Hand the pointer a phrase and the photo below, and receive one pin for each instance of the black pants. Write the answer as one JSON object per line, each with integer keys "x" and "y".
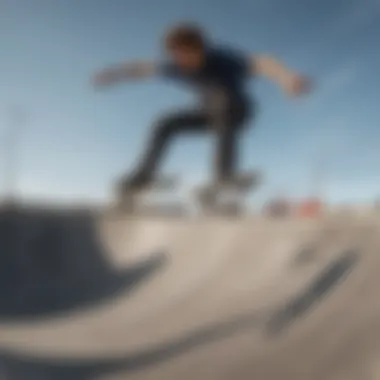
{"x": 224, "y": 123}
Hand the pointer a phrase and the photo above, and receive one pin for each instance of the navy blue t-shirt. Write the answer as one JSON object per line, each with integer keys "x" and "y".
{"x": 223, "y": 69}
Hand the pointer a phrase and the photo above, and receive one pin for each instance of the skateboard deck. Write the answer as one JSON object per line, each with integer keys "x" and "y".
{"x": 128, "y": 200}
{"x": 228, "y": 197}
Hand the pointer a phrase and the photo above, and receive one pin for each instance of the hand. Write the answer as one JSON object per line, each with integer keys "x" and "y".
{"x": 104, "y": 78}
{"x": 297, "y": 85}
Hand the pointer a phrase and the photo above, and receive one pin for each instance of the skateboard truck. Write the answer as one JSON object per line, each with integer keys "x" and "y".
{"x": 228, "y": 196}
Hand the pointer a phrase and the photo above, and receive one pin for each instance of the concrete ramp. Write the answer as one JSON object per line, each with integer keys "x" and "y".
{"x": 190, "y": 298}
{"x": 53, "y": 262}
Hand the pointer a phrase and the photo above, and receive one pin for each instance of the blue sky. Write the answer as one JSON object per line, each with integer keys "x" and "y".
{"x": 75, "y": 141}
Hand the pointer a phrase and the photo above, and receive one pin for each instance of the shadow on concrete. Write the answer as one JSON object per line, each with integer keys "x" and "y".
{"x": 300, "y": 305}
{"x": 18, "y": 366}
{"x": 53, "y": 262}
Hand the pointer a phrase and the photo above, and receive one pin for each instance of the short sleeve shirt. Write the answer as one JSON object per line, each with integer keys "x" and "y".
{"x": 224, "y": 68}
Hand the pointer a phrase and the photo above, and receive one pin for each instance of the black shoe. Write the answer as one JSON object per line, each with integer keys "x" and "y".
{"x": 134, "y": 183}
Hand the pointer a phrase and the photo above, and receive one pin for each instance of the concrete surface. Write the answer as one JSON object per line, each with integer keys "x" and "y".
{"x": 90, "y": 296}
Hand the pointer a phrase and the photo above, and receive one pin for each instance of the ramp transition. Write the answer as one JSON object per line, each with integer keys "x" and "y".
{"x": 84, "y": 296}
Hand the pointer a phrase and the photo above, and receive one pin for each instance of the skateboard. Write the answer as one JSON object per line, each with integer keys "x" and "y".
{"x": 227, "y": 197}
{"x": 129, "y": 200}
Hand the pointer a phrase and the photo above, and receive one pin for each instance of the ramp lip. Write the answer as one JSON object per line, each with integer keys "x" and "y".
{"x": 53, "y": 261}
{"x": 111, "y": 286}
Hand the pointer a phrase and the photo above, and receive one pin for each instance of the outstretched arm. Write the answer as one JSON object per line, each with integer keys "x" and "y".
{"x": 124, "y": 72}
{"x": 290, "y": 81}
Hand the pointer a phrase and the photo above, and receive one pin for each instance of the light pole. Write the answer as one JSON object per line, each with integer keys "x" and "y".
{"x": 16, "y": 119}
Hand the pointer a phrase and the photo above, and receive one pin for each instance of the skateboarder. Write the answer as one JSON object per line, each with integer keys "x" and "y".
{"x": 219, "y": 75}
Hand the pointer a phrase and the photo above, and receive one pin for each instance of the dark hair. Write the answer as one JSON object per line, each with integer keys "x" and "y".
{"x": 185, "y": 35}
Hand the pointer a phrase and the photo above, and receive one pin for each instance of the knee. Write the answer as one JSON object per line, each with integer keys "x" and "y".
{"x": 233, "y": 114}
{"x": 239, "y": 113}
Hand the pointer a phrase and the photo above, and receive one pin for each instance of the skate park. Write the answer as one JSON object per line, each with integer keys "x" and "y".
{"x": 90, "y": 291}
{"x": 89, "y": 295}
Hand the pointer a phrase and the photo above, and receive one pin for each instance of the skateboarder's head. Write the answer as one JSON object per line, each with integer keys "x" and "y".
{"x": 186, "y": 45}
